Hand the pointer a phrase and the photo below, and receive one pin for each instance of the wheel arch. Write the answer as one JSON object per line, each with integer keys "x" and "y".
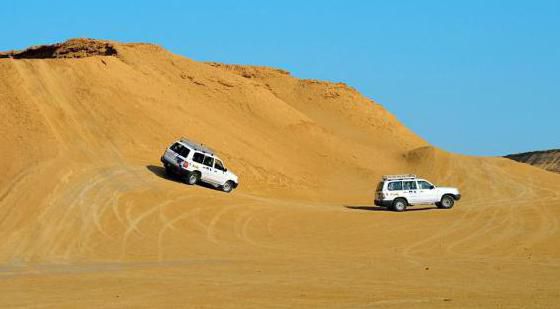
{"x": 197, "y": 172}
{"x": 401, "y": 198}
{"x": 448, "y": 194}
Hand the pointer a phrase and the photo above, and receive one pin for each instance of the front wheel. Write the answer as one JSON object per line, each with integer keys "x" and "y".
{"x": 447, "y": 202}
{"x": 228, "y": 186}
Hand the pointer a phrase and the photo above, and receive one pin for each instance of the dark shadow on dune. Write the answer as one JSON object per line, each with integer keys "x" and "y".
{"x": 377, "y": 208}
{"x": 160, "y": 172}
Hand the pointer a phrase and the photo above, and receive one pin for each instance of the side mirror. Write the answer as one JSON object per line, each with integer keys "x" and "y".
{"x": 432, "y": 187}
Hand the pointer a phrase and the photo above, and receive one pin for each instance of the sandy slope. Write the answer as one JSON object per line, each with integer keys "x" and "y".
{"x": 87, "y": 217}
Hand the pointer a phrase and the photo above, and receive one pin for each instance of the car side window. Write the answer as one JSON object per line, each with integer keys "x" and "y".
{"x": 198, "y": 157}
{"x": 409, "y": 185}
{"x": 424, "y": 185}
{"x": 218, "y": 165}
{"x": 208, "y": 161}
{"x": 395, "y": 186}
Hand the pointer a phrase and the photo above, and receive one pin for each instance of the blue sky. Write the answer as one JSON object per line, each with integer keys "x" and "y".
{"x": 474, "y": 77}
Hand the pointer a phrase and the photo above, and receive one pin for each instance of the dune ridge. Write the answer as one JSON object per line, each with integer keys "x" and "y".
{"x": 74, "y": 48}
{"x": 545, "y": 159}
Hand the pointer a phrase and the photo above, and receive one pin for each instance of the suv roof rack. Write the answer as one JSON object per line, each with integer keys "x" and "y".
{"x": 196, "y": 146}
{"x": 403, "y": 176}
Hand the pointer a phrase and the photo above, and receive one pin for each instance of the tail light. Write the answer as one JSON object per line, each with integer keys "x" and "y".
{"x": 185, "y": 164}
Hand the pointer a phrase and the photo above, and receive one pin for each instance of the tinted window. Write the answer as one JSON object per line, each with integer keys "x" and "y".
{"x": 393, "y": 186}
{"x": 424, "y": 185}
{"x": 218, "y": 165}
{"x": 208, "y": 161}
{"x": 180, "y": 150}
{"x": 198, "y": 157}
{"x": 409, "y": 185}
{"x": 380, "y": 186}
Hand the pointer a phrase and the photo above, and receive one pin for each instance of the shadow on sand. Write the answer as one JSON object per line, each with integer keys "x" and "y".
{"x": 160, "y": 172}
{"x": 377, "y": 208}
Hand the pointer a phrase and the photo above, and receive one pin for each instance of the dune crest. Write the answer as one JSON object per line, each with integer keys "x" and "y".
{"x": 74, "y": 48}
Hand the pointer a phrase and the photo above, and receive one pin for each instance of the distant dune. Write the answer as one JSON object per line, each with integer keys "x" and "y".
{"x": 89, "y": 219}
{"x": 545, "y": 159}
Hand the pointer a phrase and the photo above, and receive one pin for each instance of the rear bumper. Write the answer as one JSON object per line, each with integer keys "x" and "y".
{"x": 383, "y": 203}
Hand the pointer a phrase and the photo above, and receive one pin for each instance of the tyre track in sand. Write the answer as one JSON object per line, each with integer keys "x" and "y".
{"x": 500, "y": 218}
{"x": 170, "y": 224}
{"x": 133, "y": 223}
{"x": 78, "y": 203}
{"x": 475, "y": 211}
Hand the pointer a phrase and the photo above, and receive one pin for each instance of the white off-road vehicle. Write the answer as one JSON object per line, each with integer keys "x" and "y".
{"x": 194, "y": 162}
{"x": 396, "y": 192}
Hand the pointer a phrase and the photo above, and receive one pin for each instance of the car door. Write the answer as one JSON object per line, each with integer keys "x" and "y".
{"x": 197, "y": 161}
{"x": 426, "y": 192}
{"x": 207, "y": 170}
{"x": 396, "y": 190}
{"x": 410, "y": 191}
{"x": 219, "y": 172}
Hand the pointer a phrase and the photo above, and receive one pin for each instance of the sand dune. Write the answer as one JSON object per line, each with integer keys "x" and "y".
{"x": 89, "y": 219}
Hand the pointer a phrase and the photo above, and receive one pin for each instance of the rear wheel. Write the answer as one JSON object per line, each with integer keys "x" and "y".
{"x": 447, "y": 202}
{"x": 168, "y": 170}
{"x": 192, "y": 178}
{"x": 228, "y": 186}
{"x": 399, "y": 205}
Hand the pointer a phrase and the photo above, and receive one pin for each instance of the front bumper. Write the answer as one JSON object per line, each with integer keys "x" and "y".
{"x": 457, "y": 197}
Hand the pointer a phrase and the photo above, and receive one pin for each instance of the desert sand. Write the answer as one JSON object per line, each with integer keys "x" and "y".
{"x": 88, "y": 219}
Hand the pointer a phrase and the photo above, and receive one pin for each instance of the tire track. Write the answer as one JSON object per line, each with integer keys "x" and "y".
{"x": 170, "y": 225}
{"x": 133, "y": 224}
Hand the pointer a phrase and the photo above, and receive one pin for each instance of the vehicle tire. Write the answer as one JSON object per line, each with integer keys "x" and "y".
{"x": 399, "y": 205}
{"x": 228, "y": 186}
{"x": 192, "y": 178}
{"x": 168, "y": 170}
{"x": 447, "y": 202}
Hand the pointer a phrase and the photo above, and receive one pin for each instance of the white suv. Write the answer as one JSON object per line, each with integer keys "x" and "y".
{"x": 195, "y": 162}
{"x": 399, "y": 191}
